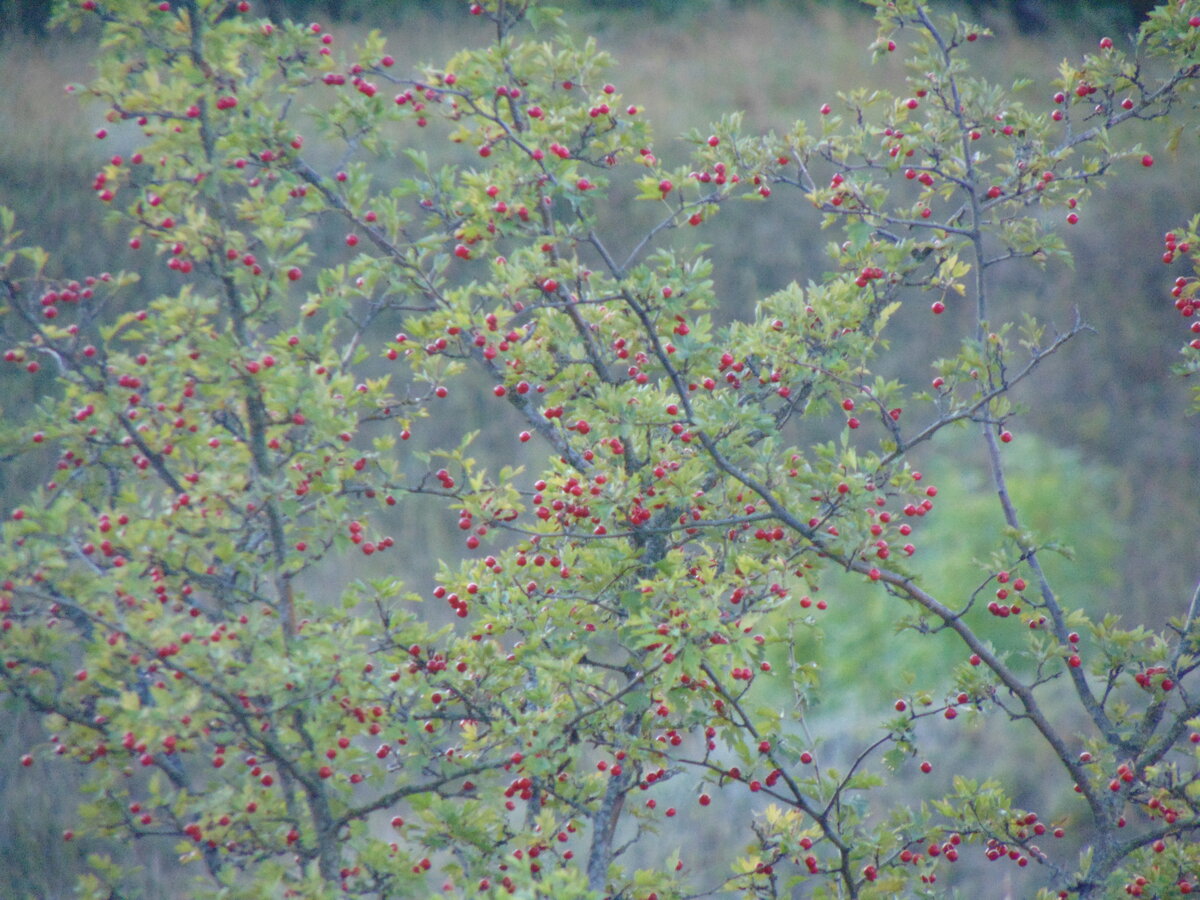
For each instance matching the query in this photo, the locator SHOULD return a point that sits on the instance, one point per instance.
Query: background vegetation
(29, 17)
(1107, 414)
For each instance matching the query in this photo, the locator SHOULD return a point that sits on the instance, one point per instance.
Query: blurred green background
(1030, 16)
(1104, 461)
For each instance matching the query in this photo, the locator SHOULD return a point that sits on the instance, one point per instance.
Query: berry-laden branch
(681, 501)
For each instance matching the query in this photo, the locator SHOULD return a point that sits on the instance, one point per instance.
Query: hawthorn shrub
(618, 655)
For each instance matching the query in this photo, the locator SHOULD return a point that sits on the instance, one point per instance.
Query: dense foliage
(620, 652)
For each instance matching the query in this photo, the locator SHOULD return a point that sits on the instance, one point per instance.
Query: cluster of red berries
(1184, 289)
